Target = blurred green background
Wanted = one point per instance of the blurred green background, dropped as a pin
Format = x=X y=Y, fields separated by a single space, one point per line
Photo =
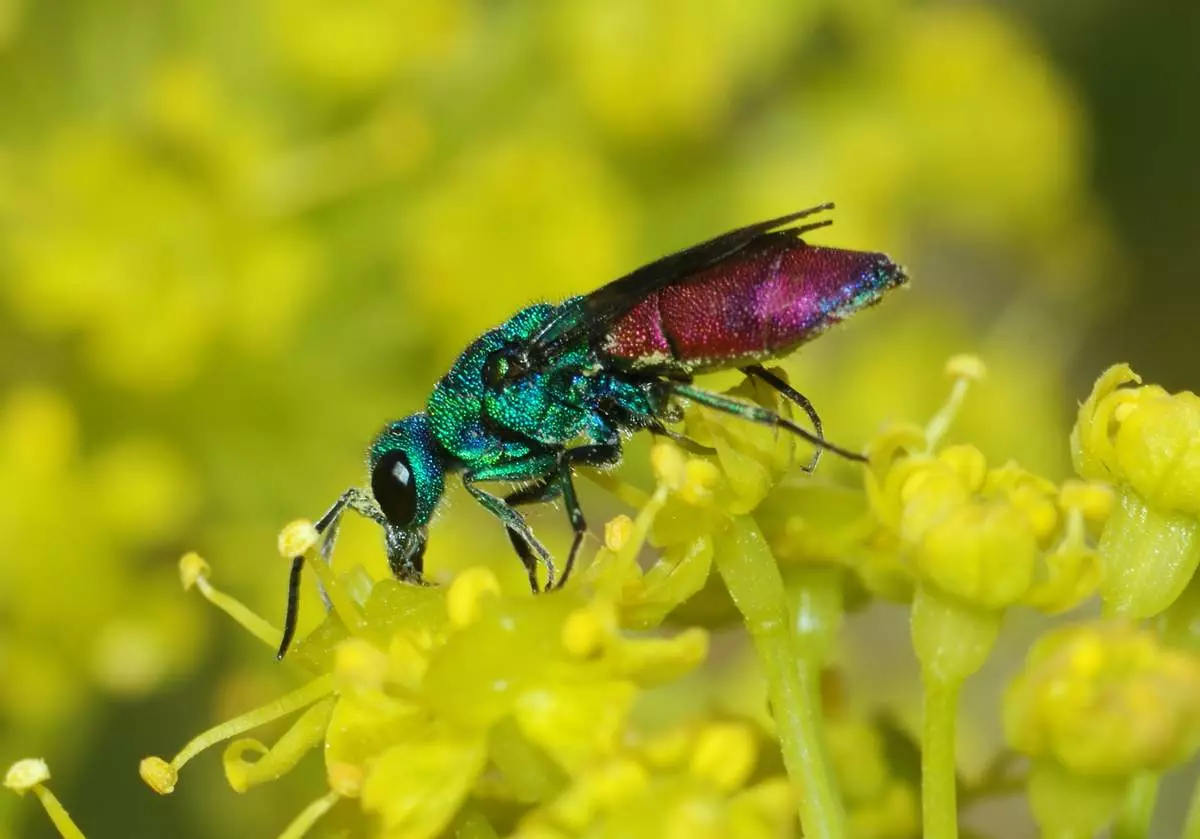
x=235 y=239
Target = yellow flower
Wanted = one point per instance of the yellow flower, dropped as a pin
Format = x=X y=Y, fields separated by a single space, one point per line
x=1105 y=700
x=148 y=215
x=881 y=803
x=1146 y=442
x=671 y=787
x=356 y=47
x=986 y=537
x=684 y=87
x=434 y=685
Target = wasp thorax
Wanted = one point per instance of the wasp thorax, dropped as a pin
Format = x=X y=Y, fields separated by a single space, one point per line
x=504 y=367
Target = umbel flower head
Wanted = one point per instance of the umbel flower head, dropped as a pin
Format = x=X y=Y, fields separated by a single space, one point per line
x=437 y=695
x=978 y=539
x=1146 y=442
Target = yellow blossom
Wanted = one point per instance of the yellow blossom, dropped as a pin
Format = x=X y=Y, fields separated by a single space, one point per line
x=436 y=684
x=1146 y=442
x=1106 y=700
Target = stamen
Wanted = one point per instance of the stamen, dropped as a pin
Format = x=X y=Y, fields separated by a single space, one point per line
x=194 y=571
x=964 y=369
x=162 y=776
x=31 y=774
x=271 y=764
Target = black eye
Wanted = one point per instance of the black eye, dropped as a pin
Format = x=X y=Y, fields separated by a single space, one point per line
x=394 y=488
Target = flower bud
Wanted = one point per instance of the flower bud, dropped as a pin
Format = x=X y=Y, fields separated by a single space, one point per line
x=1146 y=442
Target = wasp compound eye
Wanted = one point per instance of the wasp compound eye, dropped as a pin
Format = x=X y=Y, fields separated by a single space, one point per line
x=394 y=488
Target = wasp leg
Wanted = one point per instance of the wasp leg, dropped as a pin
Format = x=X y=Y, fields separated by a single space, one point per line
x=535 y=467
x=682 y=440
x=757 y=371
x=599 y=454
x=758 y=414
x=543 y=490
x=354 y=499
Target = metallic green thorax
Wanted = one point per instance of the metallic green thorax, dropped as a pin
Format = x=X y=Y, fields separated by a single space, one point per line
x=472 y=427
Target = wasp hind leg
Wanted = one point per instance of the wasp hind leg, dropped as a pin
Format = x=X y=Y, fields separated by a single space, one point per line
x=757 y=371
x=682 y=440
x=758 y=414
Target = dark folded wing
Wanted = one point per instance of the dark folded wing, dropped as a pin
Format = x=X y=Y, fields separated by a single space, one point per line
x=591 y=316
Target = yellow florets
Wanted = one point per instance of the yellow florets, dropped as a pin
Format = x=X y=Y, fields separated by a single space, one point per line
x=1106 y=700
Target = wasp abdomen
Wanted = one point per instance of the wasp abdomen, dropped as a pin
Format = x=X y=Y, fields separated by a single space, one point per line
x=753 y=306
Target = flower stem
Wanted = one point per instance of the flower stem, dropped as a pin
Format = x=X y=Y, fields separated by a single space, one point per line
x=1191 y=827
x=57 y=813
x=1133 y=822
x=793 y=682
x=310 y=815
x=939 y=805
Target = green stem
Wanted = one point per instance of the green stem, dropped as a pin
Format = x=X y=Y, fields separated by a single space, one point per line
x=1191 y=827
x=1133 y=822
x=793 y=682
x=939 y=805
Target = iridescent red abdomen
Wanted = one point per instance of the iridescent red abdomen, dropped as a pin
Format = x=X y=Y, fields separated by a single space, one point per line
x=758 y=304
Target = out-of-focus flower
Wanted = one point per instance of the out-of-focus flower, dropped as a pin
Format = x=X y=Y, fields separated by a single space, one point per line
x=165 y=222
x=1106 y=700
x=1095 y=706
x=82 y=515
x=355 y=48
x=991 y=148
x=1146 y=442
x=525 y=242
x=882 y=804
x=687 y=85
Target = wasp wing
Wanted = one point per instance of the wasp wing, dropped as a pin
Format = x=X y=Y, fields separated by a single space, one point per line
x=591 y=316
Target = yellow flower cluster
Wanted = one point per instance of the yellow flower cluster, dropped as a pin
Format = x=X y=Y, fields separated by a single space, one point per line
x=466 y=708
x=231 y=244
